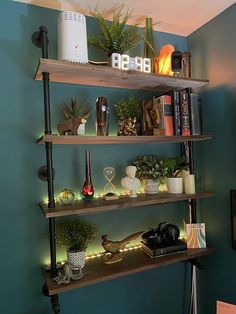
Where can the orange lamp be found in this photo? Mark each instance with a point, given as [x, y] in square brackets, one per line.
[164, 65]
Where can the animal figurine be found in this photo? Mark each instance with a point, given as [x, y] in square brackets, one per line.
[76, 115]
[151, 116]
[67, 274]
[115, 247]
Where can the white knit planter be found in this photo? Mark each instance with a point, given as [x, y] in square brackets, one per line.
[76, 259]
[151, 186]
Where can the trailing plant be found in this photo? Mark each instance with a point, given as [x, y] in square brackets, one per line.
[129, 108]
[75, 109]
[174, 165]
[116, 35]
[150, 167]
[75, 234]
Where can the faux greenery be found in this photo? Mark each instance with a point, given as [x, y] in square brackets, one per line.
[150, 167]
[129, 108]
[174, 165]
[116, 36]
[75, 109]
[75, 234]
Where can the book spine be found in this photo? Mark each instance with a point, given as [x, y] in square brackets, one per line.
[195, 114]
[177, 118]
[168, 115]
[185, 114]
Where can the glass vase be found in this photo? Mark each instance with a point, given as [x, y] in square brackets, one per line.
[87, 190]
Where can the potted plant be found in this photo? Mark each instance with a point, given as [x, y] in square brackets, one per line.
[75, 235]
[152, 171]
[174, 166]
[129, 114]
[116, 35]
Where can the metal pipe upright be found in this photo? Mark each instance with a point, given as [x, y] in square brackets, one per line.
[40, 39]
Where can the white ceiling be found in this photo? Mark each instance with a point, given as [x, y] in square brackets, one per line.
[180, 17]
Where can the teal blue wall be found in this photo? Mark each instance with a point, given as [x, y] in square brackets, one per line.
[213, 49]
[24, 247]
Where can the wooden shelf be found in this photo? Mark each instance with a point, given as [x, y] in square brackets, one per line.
[134, 261]
[94, 75]
[76, 139]
[79, 207]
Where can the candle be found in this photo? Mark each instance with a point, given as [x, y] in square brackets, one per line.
[189, 184]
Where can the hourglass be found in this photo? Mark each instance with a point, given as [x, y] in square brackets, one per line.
[109, 189]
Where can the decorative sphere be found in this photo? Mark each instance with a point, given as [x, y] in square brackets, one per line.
[66, 196]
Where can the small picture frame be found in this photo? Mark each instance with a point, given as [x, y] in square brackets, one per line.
[196, 236]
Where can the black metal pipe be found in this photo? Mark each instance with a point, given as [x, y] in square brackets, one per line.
[43, 38]
[52, 247]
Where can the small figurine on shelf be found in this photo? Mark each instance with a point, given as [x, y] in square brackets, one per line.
[87, 190]
[76, 117]
[114, 247]
[130, 182]
[110, 189]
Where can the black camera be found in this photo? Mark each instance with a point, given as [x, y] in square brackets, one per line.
[165, 234]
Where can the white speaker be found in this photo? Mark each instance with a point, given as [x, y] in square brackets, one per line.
[72, 37]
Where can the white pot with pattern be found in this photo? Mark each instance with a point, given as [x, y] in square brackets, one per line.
[76, 259]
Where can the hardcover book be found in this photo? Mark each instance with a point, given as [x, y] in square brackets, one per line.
[165, 108]
[184, 109]
[196, 236]
[195, 114]
[177, 118]
[155, 251]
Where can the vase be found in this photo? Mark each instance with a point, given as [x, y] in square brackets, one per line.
[151, 186]
[175, 185]
[87, 190]
[76, 259]
[102, 117]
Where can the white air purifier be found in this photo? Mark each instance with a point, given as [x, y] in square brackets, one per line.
[72, 37]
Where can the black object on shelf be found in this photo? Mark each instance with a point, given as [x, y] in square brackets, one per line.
[158, 250]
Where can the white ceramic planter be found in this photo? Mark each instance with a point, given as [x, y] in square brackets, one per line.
[76, 259]
[175, 185]
[151, 186]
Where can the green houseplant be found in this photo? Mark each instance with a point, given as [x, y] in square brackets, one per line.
[116, 35]
[152, 171]
[75, 235]
[174, 166]
[129, 114]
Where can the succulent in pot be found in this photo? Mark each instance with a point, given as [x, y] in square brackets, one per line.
[75, 235]
[129, 114]
[152, 171]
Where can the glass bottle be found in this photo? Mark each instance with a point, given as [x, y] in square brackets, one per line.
[87, 190]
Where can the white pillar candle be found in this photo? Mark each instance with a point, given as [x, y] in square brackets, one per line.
[189, 184]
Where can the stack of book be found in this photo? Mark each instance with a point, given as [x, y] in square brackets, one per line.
[180, 114]
[158, 250]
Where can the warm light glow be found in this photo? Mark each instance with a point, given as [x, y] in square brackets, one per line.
[165, 60]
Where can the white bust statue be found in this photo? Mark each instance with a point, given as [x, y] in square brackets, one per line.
[130, 182]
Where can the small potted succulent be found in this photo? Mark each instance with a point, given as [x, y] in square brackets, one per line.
[174, 166]
[75, 235]
[129, 114]
[152, 171]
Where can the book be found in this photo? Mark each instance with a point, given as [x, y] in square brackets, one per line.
[177, 118]
[165, 108]
[196, 236]
[155, 251]
[184, 113]
[195, 114]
